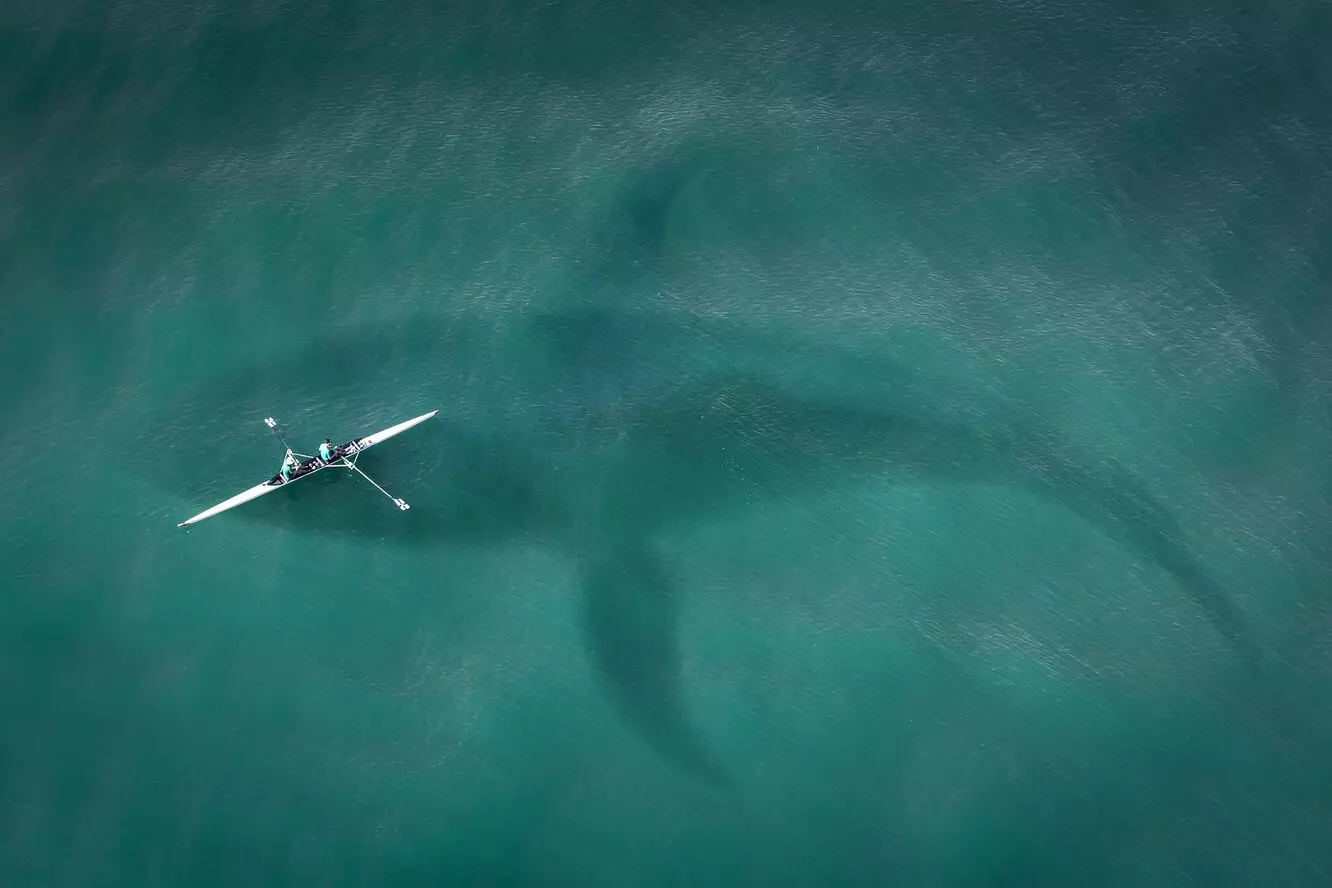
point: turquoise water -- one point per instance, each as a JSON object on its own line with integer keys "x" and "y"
{"x": 876, "y": 446}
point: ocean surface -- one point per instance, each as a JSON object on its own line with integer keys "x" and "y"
{"x": 879, "y": 444}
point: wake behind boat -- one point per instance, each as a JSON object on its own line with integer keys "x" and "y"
{"x": 343, "y": 456}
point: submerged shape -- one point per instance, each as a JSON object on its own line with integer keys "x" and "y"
{"x": 633, "y": 639}
{"x": 595, "y": 431}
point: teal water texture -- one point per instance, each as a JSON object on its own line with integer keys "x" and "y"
{"x": 878, "y": 445}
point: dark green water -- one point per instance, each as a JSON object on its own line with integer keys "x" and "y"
{"x": 878, "y": 445}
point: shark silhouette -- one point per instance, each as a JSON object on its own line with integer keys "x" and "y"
{"x": 595, "y": 430}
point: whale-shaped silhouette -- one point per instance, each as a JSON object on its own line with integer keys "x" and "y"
{"x": 595, "y": 425}
{"x": 595, "y": 430}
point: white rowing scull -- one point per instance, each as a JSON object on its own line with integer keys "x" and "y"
{"x": 343, "y": 457}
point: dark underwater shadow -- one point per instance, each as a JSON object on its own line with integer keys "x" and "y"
{"x": 593, "y": 427}
{"x": 601, "y": 456}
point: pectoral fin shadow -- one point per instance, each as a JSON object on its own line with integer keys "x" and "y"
{"x": 632, "y": 630}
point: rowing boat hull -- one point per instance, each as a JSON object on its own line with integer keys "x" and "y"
{"x": 380, "y": 437}
{"x": 350, "y": 449}
{"x": 239, "y": 499}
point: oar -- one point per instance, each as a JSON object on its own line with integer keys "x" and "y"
{"x": 272, "y": 424}
{"x": 400, "y": 503}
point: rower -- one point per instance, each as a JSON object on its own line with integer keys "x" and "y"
{"x": 326, "y": 450}
{"x": 288, "y": 466}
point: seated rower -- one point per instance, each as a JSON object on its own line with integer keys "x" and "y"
{"x": 326, "y": 450}
{"x": 288, "y": 466}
